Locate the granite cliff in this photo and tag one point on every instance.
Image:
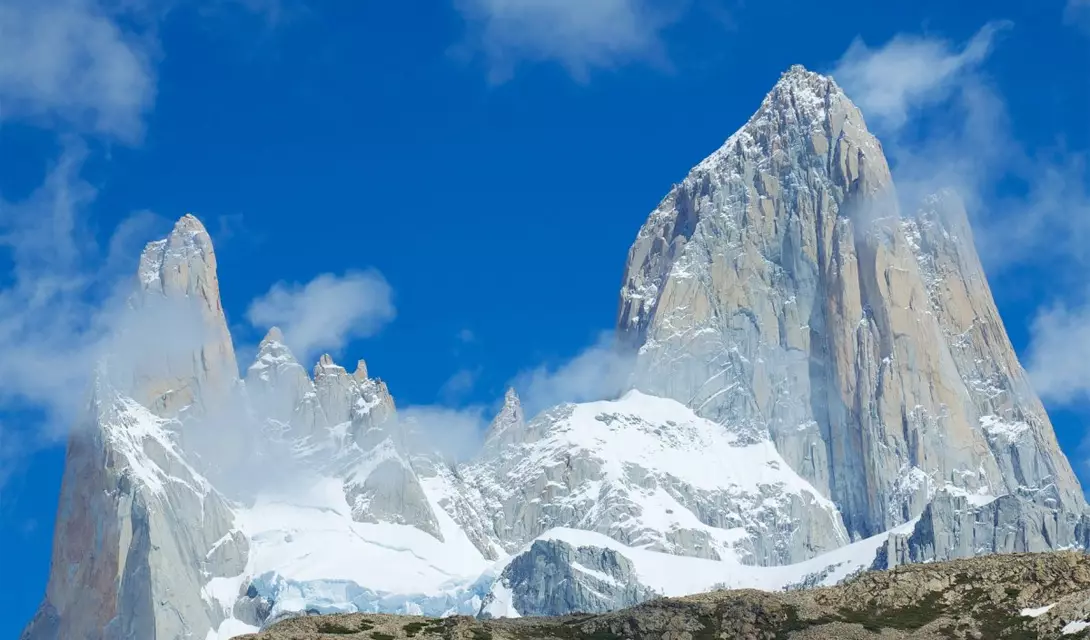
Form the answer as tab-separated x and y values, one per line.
822	385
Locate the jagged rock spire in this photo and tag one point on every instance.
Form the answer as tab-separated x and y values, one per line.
775	291
192	363
360	373
509	421
327	367
273	336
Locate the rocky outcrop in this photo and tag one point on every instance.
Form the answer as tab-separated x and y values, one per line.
951	527
556	578
1014	596
648	472
777	291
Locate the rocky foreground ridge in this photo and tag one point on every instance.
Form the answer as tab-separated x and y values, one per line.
820	385
1017	596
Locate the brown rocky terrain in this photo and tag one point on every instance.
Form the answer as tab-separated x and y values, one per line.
1017	596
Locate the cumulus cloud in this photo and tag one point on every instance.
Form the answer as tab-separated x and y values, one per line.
581	35
70	62
327	312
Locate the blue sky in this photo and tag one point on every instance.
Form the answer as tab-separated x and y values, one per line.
474	171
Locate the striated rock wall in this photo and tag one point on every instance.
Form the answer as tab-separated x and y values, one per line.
777	290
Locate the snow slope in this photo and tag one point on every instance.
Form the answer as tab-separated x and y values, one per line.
651	466
648	472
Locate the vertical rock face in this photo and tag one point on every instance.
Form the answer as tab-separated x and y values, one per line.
777	290
178	302
280	386
140	531
555	578
508	424
1011	416
649	473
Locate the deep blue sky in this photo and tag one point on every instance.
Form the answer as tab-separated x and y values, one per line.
345	135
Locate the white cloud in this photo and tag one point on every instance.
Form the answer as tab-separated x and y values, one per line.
1058	357
75	68
54	313
59	305
602	371
327	312
70	61
456	433
458	385
579	34
1040	225
909	73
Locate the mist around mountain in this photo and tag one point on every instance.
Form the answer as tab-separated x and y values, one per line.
809	380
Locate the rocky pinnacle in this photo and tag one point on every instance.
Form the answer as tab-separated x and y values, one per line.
779	289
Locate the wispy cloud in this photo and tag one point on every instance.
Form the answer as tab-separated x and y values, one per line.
70	63
455	432
910	73
1077	14
1058	357
327	312
83	70
602	371
581	35
1030	210
459	385
58	309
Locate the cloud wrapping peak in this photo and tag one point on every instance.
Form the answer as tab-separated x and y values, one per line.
62	306
69	61
327	312
579	34
908	73
969	146
603	371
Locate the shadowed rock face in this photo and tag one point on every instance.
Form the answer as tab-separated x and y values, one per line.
779	290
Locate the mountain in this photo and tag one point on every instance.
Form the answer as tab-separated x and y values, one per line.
821	385
1013	596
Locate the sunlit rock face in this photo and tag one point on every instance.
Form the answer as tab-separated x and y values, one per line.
779	290
822	385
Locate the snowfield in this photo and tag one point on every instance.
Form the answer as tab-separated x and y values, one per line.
307	553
